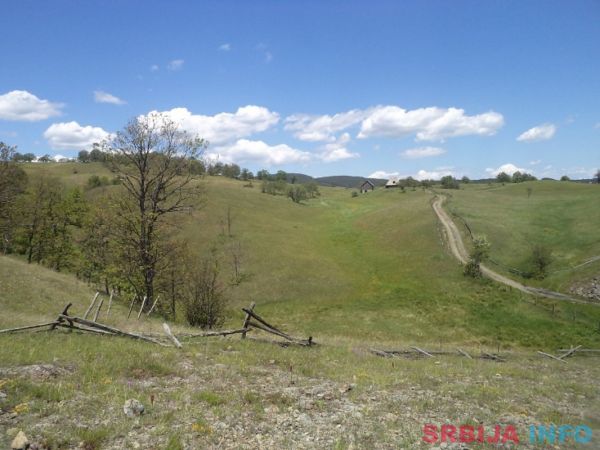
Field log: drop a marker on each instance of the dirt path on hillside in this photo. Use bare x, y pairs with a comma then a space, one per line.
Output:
458, 249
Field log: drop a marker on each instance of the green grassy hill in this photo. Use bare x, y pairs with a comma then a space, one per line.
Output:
562, 216
355, 273
374, 268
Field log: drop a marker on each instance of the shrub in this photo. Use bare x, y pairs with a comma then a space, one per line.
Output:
449, 182
204, 302
541, 258
479, 253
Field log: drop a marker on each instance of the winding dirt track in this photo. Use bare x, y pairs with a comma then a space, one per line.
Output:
460, 252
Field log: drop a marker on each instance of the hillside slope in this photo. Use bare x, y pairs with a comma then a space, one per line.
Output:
371, 268
561, 216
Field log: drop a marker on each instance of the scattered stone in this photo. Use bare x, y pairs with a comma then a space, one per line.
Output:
133, 408
20, 442
35, 371
589, 290
347, 388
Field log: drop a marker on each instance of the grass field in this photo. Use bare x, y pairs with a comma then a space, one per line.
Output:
562, 216
354, 273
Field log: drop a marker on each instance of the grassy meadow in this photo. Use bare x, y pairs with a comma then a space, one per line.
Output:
562, 216
355, 273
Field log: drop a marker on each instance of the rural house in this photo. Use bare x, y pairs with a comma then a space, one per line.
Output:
366, 186
392, 182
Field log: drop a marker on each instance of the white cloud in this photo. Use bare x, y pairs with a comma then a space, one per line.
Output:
432, 175
154, 68
321, 128
176, 64
72, 136
420, 175
429, 124
535, 162
507, 168
224, 127
268, 57
382, 174
422, 152
336, 151
24, 106
105, 97
540, 133
597, 126
244, 150
225, 47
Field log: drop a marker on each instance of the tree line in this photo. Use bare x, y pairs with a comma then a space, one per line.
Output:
126, 238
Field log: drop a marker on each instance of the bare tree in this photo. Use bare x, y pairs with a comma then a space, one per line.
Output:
152, 157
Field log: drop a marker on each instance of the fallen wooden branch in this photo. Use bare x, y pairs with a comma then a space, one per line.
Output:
86, 329
29, 327
583, 350
283, 344
91, 305
131, 306
99, 308
485, 355
110, 329
142, 307
569, 353
548, 355
110, 302
153, 305
462, 352
382, 353
261, 320
171, 336
307, 342
423, 352
213, 333
247, 319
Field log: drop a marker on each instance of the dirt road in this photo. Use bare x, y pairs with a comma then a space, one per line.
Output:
458, 249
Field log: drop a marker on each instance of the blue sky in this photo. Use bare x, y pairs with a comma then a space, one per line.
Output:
421, 88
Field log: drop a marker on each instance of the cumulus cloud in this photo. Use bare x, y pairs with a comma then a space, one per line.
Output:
382, 174
423, 152
336, 151
24, 106
429, 124
432, 175
225, 47
540, 133
176, 64
72, 136
322, 128
244, 150
105, 97
420, 175
507, 168
224, 127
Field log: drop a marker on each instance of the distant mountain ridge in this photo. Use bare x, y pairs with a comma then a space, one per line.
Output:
346, 181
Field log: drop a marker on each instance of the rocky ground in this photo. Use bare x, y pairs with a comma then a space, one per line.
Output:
213, 405
589, 290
